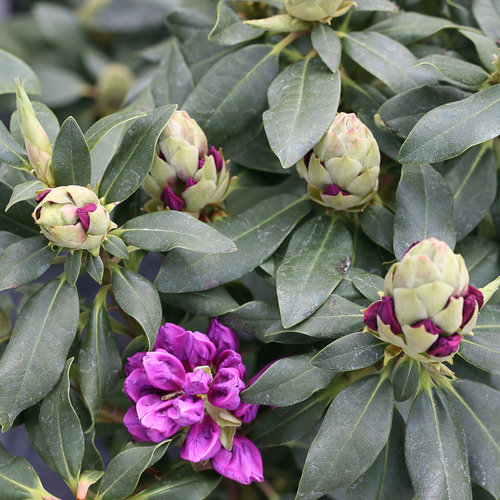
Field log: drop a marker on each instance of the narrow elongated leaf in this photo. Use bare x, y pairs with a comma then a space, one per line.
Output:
355, 429
450, 129
486, 47
386, 59
123, 473
163, 231
71, 156
424, 208
406, 378
376, 5
487, 14
35, 356
257, 233
317, 258
288, 381
11, 152
13, 68
132, 162
478, 406
95, 268
377, 223
327, 44
239, 81
298, 116
138, 298
115, 246
72, 266
481, 259
25, 191
435, 449
99, 361
473, 182
25, 261
63, 431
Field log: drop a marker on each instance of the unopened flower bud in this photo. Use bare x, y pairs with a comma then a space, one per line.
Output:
428, 304
36, 139
73, 217
113, 85
317, 10
342, 170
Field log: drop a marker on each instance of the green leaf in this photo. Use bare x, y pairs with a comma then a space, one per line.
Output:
115, 246
298, 118
95, 268
230, 29
450, 129
99, 129
483, 349
138, 298
368, 284
424, 208
486, 47
355, 429
288, 381
24, 261
257, 233
478, 407
25, 191
11, 152
99, 362
7, 239
71, 156
35, 356
481, 259
132, 162
435, 449
406, 378
317, 258
411, 27
163, 231
490, 289
181, 483
354, 351
387, 478
63, 431
13, 68
238, 81
327, 44
377, 223
378, 5
72, 266
123, 473
487, 15
386, 59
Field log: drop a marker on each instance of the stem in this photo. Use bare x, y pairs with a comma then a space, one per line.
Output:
268, 490
278, 48
111, 413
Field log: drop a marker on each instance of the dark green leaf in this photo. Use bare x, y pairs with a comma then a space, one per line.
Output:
481, 259
406, 378
35, 356
7, 239
132, 162
72, 266
424, 208
10, 150
436, 450
486, 47
115, 246
288, 381
327, 44
379, 5
257, 233
355, 429
368, 284
25, 191
377, 223
138, 298
163, 231
95, 268
487, 14
298, 117
71, 156
25, 261
13, 68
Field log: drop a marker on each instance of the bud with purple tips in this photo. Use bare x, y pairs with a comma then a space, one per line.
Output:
428, 304
342, 170
73, 217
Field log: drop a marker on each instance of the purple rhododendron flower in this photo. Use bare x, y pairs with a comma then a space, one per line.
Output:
192, 380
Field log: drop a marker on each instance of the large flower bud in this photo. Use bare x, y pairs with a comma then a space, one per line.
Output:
428, 304
36, 139
186, 175
342, 169
317, 10
113, 85
73, 217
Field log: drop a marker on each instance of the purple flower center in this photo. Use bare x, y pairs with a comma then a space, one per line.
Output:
171, 200
387, 315
334, 190
444, 346
430, 326
219, 162
83, 214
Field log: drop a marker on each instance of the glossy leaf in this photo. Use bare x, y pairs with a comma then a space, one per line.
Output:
72, 266
487, 14
14, 68
298, 118
41, 339
424, 208
376, 5
25, 191
481, 259
115, 246
256, 233
435, 448
95, 268
327, 44
355, 429
486, 47
450, 129
377, 223
11, 152
132, 162
138, 298
368, 284
406, 378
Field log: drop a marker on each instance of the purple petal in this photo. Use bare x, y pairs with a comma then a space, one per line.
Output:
222, 336
472, 297
411, 246
137, 385
387, 316
246, 412
133, 362
196, 382
242, 464
219, 162
190, 182
225, 389
202, 441
186, 410
307, 158
370, 316
171, 200
333, 190
444, 346
199, 350
42, 195
164, 370
173, 338
430, 327
83, 214
136, 430
231, 359
153, 414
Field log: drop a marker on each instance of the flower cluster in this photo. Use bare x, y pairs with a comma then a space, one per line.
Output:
193, 381
428, 304
186, 174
